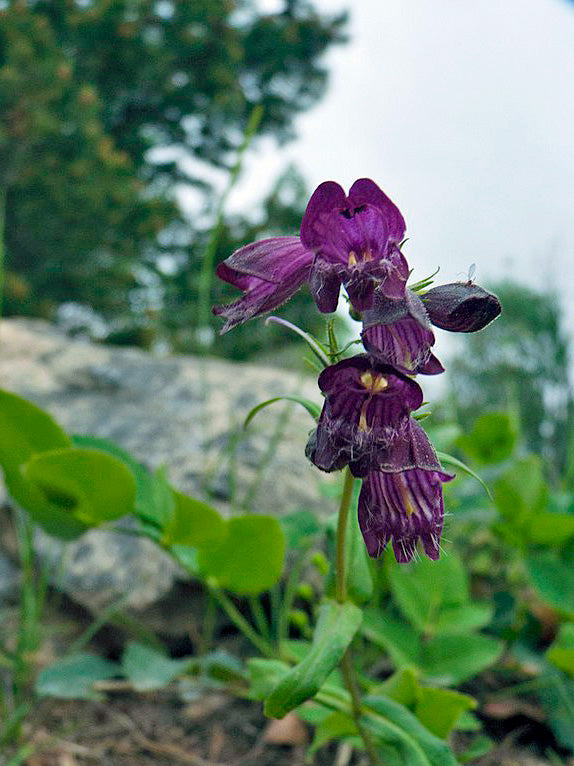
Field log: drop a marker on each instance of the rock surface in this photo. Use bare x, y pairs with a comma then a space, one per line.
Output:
184, 412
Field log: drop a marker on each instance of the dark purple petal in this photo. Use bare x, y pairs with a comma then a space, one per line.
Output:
461, 307
327, 199
274, 260
403, 508
399, 333
365, 413
325, 285
288, 267
396, 273
412, 450
355, 240
366, 192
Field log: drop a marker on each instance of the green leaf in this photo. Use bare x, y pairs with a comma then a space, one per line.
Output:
250, 559
336, 627
439, 709
300, 528
264, 675
395, 636
312, 408
434, 596
88, 484
447, 459
561, 653
550, 528
26, 430
194, 524
394, 722
335, 726
491, 440
522, 493
553, 576
187, 557
450, 660
74, 677
148, 669
148, 494
402, 687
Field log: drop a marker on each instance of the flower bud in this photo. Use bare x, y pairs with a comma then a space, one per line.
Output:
461, 307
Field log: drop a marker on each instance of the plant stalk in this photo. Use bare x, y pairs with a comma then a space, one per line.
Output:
347, 667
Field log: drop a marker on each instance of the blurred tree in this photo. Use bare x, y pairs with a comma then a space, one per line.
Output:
520, 362
106, 106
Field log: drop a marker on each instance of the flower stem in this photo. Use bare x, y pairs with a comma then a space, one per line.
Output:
341, 563
240, 622
341, 594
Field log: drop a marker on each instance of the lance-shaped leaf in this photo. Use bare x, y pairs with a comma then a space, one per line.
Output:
336, 627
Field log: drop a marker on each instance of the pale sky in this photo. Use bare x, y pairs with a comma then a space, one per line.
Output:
464, 114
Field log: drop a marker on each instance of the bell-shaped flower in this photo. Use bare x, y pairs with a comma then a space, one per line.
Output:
398, 332
268, 272
356, 241
461, 306
403, 507
365, 421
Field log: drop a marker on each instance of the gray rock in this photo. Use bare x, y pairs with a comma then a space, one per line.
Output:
182, 412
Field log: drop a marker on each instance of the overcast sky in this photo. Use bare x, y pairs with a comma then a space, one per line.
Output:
464, 114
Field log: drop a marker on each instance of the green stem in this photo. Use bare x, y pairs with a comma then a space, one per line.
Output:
341, 562
240, 622
347, 667
259, 616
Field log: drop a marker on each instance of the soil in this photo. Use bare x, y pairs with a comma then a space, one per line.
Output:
158, 729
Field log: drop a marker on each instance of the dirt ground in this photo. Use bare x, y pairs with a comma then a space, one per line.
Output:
158, 729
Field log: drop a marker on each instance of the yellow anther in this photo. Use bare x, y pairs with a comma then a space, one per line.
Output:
406, 495
374, 383
352, 258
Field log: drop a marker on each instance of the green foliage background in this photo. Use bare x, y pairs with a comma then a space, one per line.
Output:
108, 108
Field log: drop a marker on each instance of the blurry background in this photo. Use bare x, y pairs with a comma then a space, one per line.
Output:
122, 121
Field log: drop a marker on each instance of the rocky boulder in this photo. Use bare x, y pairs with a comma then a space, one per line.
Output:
182, 412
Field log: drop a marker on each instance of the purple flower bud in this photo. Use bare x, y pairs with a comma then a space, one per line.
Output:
461, 306
398, 333
404, 507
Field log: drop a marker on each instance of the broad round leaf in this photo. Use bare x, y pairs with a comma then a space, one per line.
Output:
194, 524
25, 431
250, 560
89, 485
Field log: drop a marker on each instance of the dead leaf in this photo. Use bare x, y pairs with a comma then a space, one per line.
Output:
286, 731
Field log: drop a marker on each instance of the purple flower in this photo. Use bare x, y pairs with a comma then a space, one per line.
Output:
356, 241
461, 306
398, 332
365, 421
350, 240
404, 507
269, 272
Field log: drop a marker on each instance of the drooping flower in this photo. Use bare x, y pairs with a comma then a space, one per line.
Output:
268, 272
403, 507
351, 240
461, 306
356, 241
398, 332
365, 421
